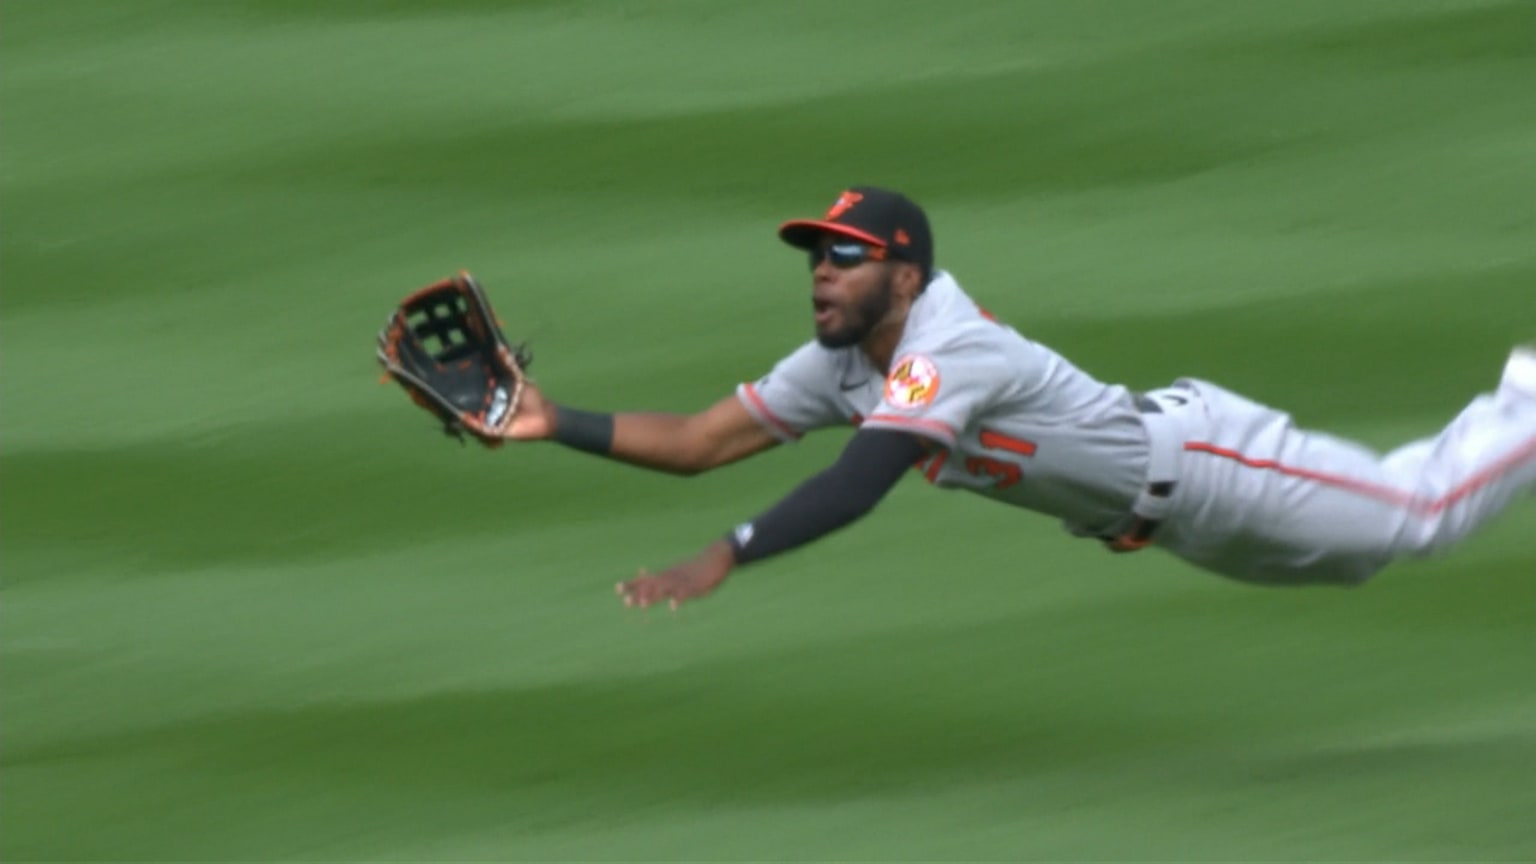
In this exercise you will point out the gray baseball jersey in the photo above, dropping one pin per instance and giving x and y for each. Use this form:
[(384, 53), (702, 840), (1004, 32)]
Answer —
[(1014, 420)]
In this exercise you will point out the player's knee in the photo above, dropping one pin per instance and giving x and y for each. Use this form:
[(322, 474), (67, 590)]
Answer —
[(1357, 578), (1352, 572), (1431, 538)]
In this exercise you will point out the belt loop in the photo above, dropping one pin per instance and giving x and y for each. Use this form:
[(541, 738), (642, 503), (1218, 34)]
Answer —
[(1153, 504)]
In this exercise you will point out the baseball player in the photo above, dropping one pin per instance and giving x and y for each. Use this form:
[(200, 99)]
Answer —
[(933, 382)]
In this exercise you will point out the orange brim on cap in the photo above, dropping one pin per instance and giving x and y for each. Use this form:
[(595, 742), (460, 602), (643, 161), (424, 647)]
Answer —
[(802, 233)]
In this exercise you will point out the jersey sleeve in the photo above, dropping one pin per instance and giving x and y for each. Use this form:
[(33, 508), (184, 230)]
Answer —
[(797, 395), (936, 391)]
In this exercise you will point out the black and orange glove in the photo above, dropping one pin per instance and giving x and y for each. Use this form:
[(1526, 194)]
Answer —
[(445, 346)]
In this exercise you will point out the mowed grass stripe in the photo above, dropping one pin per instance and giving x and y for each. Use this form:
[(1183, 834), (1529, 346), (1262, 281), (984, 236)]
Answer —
[(881, 716), (1046, 131)]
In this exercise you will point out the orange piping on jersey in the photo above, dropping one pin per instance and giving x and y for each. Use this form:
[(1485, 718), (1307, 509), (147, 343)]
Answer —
[(1396, 497), (935, 464), (933, 427), (998, 441), (771, 418)]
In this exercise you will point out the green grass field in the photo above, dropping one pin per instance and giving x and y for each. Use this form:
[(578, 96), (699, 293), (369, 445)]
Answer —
[(256, 608)]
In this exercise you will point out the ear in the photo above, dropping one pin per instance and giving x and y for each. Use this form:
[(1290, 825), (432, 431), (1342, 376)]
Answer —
[(909, 279)]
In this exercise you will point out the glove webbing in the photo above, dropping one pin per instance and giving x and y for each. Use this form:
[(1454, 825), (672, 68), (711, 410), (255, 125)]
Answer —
[(442, 328)]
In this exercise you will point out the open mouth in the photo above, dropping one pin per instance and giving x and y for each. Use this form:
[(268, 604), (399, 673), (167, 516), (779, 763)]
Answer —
[(823, 310)]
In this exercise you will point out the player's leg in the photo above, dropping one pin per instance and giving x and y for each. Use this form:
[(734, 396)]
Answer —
[(1475, 467), (1264, 501), (1260, 500)]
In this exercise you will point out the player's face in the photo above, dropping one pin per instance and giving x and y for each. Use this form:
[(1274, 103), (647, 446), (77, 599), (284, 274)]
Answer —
[(851, 291)]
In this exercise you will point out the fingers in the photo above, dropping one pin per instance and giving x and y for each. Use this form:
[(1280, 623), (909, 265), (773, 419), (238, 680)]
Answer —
[(625, 591), (646, 590), (482, 433), (642, 591), (634, 592)]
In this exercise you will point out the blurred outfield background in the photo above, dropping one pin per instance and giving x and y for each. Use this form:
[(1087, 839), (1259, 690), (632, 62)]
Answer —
[(256, 608)]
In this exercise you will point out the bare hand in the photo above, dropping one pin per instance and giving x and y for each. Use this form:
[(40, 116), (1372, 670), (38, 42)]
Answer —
[(682, 582), (534, 420), (535, 417)]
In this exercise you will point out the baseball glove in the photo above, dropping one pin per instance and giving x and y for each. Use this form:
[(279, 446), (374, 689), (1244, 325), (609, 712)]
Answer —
[(445, 346)]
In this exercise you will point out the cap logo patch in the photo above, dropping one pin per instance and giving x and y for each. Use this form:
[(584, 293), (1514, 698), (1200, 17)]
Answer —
[(844, 203), (901, 238), (913, 383)]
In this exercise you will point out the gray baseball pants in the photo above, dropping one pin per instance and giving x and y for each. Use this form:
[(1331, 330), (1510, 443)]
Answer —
[(1258, 499)]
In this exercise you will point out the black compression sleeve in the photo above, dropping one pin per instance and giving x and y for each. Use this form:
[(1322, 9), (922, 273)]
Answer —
[(867, 469), (587, 431)]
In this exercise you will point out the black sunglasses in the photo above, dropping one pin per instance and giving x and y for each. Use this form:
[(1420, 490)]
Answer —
[(845, 256)]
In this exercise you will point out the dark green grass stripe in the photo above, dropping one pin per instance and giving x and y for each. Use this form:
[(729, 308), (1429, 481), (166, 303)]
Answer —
[(1390, 350), (1454, 37), (1035, 703)]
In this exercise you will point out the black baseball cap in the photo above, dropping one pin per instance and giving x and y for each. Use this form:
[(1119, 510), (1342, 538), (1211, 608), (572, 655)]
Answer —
[(869, 214)]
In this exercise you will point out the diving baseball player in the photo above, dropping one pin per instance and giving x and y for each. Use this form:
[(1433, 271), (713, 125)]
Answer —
[(933, 382)]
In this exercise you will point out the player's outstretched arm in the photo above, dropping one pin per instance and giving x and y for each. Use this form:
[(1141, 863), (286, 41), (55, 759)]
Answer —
[(674, 443), (869, 467)]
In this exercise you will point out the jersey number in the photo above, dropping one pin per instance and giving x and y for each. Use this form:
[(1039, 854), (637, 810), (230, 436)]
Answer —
[(1006, 473)]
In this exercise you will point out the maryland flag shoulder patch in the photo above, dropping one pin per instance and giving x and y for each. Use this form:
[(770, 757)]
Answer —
[(912, 384)]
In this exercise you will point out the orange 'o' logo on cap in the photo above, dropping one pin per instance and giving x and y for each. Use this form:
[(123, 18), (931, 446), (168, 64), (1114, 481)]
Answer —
[(844, 203), (902, 239)]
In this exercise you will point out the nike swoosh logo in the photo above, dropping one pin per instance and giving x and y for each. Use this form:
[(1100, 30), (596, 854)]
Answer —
[(857, 386)]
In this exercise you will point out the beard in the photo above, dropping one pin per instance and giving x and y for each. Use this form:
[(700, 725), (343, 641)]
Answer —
[(858, 320)]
